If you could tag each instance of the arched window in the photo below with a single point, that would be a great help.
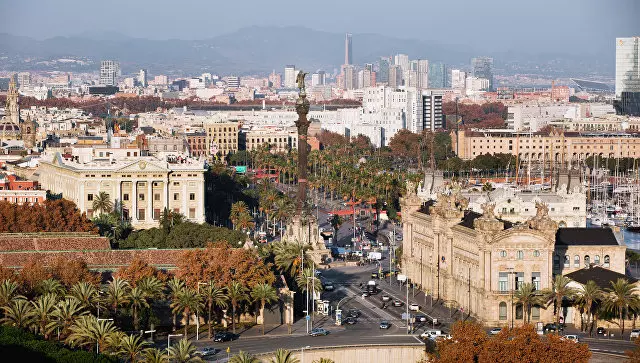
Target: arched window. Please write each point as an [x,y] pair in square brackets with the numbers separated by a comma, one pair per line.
[503,253]
[520,255]
[587,261]
[567,263]
[606,261]
[576,261]
[503,310]
[536,253]
[596,260]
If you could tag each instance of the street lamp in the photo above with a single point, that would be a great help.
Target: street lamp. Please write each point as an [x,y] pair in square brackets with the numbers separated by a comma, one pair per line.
[97,342]
[169,339]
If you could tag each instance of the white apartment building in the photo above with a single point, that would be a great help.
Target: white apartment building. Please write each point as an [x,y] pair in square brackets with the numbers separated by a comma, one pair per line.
[458,79]
[144,185]
[109,72]
[290,74]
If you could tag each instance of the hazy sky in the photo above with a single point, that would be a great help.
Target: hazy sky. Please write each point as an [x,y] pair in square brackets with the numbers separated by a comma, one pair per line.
[588,26]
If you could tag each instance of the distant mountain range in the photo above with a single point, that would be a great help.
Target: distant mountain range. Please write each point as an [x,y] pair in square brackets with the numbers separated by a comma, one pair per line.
[258,50]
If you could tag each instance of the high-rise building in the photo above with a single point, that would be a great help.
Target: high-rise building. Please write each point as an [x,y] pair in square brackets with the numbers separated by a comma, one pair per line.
[109,72]
[290,76]
[422,69]
[395,76]
[24,79]
[401,60]
[437,75]
[348,55]
[458,79]
[350,76]
[160,80]
[482,67]
[318,79]
[383,70]
[232,81]
[432,118]
[275,79]
[142,78]
[628,76]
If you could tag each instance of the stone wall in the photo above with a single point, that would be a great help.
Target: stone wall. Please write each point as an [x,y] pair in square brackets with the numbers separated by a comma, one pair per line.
[362,353]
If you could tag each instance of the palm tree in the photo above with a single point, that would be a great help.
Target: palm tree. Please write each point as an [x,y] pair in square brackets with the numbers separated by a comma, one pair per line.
[284,356]
[65,314]
[50,286]
[188,302]
[85,293]
[264,293]
[288,257]
[588,297]
[18,313]
[8,291]
[131,347]
[324,360]
[243,357]
[527,296]
[284,210]
[138,300]
[239,212]
[183,351]
[152,287]
[169,219]
[102,203]
[236,292]
[117,295]
[557,293]
[43,308]
[213,296]
[175,287]
[621,298]
[303,279]
[88,331]
[153,355]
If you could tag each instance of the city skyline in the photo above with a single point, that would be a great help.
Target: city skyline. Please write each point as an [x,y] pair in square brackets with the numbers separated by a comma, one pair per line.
[495,18]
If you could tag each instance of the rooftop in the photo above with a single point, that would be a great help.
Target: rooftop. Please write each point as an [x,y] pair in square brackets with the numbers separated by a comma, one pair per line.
[586,237]
[601,276]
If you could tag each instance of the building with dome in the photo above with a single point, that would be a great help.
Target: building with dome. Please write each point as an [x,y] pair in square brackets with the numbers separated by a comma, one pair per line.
[12,127]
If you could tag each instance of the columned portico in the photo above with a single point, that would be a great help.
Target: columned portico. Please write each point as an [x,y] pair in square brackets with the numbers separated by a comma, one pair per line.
[149,213]
[134,202]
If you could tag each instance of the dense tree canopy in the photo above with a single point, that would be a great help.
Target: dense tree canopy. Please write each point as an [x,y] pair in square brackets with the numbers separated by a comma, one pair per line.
[487,115]
[51,216]
[184,235]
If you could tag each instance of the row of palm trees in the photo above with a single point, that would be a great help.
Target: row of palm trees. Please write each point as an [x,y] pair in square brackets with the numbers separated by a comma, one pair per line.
[619,301]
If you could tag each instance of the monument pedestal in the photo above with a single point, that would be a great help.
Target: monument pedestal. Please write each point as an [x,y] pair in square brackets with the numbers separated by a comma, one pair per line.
[307,232]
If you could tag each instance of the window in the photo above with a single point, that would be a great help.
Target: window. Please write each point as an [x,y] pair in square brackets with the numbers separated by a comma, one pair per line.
[156,196]
[141,196]
[535,313]
[503,281]
[567,263]
[596,259]
[89,197]
[606,261]
[556,261]
[576,209]
[587,261]
[192,196]
[156,214]
[536,253]
[520,255]
[519,280]
[192,213]
[535,280]
[576,261]
[502,308]
[125,196]
[176,196]
[141,214]
[503,253]
[519,311]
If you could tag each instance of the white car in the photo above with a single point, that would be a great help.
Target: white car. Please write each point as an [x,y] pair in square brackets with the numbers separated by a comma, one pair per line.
[635,333]
[414,307]
[495,331]
[571,337]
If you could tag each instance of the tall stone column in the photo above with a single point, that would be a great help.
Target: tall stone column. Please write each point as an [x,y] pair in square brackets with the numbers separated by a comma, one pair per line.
[149,215]
[134,201]
[302,124]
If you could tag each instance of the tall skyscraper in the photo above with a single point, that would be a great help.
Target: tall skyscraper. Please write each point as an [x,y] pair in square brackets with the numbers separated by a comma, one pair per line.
[402,60]
[350,76]
[437,75]
[275,79]
[458,79]
[432,118]
[290,76]
[628,76]
[318,79]
[109,72]
[395,76]
[422,69]
[142,78]
[348,56]
[383,69]
[482,67]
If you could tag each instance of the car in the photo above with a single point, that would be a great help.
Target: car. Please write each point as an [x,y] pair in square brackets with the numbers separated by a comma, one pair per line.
[318,331]
[428,334]
[328,286]
[414,307]
[207,351]
[601,331]
[495,331]
[374,275]
[571,337]
[224,336]
[635,333]
[398,237]
[318,273]
[552,328]
[365,294]
[420,318]
[385,324]
[350,320]
[386,298]
[354,313]
[397,303]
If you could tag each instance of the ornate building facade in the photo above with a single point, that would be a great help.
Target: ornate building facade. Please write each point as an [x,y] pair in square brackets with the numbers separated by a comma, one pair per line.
[475,261]
[12,127]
